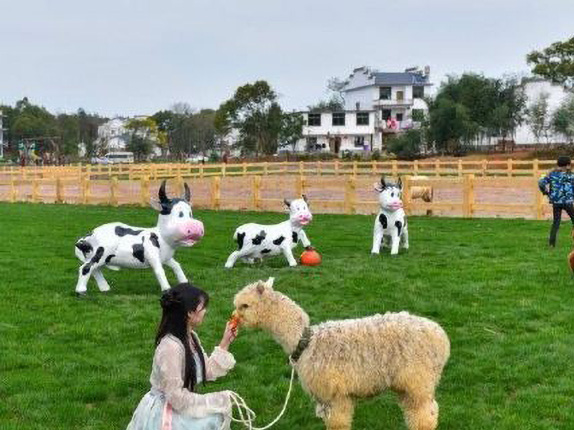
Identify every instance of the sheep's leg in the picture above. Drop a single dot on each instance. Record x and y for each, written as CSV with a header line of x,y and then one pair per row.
x,y
339,415
421,413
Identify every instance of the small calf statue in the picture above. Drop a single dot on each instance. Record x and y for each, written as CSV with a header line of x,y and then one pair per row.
x,y
116,245
391,223
256,241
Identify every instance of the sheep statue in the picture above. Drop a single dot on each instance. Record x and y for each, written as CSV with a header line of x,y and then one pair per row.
x,y
338,362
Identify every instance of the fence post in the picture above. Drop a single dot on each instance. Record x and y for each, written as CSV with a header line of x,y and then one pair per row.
x,y
244,168
536,170
484,167
374,162
407,194
337,167
300,186
13,192
301,167
223,169
114,190
35,189
416,167
144,190
468,196
319,167
355,168
201,170
538,200
395,168
215,192
459,167
265,169
509,167
437,167
59,190
350,194
257,192
179,183
84,188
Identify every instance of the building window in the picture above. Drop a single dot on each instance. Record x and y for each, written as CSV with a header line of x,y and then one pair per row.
x,y
418,92
362,118
418,115
399,117
385,93
400,95
359,141
338,118
314,120
385,114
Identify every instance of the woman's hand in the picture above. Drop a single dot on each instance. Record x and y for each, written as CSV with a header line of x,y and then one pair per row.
x,y
229,336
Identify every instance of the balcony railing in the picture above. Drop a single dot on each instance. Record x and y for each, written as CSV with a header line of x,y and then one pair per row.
x,y
394,102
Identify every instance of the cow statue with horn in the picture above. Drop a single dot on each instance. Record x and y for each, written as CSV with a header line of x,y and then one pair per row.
x,y
391,222
116,245
257,241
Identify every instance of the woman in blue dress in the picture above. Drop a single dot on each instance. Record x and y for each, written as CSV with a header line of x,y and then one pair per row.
x,y
180,364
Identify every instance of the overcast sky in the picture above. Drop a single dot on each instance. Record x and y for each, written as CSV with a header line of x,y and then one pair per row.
x,y
126,57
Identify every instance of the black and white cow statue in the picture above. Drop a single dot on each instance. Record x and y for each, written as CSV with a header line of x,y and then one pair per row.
x,y
257,241
391,222
117,245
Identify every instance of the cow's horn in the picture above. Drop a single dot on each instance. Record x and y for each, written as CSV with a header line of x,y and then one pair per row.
x,y
383,182
162,195
287,202
187,192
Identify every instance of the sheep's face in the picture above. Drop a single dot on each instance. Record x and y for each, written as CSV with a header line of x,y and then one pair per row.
x,y
252,303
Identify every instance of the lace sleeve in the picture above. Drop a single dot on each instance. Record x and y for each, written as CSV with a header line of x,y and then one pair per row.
x,y
169,360
218,364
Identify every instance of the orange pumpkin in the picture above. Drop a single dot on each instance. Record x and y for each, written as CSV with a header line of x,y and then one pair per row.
x,y
310,257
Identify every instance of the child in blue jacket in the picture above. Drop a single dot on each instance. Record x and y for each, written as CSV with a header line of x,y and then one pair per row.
x,y
558,185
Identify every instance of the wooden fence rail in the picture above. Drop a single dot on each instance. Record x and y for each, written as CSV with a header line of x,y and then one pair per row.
x,y
438,168
467,196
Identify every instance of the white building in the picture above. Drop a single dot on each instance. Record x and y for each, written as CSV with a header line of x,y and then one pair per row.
x,y
113,136
376,104
556,95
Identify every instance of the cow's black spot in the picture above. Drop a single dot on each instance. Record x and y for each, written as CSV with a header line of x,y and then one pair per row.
x,y
279,240
259,238
295,237
240,238
167,206
154,240
99,252
383,220
84,246
138,251
95,259
122,231
399,226
266,251
109,258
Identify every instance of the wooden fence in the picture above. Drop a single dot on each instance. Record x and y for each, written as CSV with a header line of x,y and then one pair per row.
x,y
435,168
466,195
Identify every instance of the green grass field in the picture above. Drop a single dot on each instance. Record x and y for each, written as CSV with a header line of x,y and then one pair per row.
x,y
506,301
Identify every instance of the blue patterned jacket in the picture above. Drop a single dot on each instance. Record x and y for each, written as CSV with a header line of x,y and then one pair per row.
x,y
558,186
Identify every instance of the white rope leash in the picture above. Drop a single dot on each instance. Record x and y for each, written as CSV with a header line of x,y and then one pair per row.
x,y
247,416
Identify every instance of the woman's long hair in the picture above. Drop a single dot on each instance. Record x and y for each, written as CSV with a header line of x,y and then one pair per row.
x,y
176,304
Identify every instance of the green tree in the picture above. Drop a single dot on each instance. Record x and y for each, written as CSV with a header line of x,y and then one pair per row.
x,y
291,129
451,127
539,117
254,112
143,136
555,62
563,119
406,146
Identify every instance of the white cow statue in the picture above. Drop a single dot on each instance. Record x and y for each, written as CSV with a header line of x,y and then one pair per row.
x,y
116,245
391,222
257,241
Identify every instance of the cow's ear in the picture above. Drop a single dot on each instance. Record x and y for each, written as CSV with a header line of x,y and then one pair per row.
x,y
305,198
287,203
154,203
378,187
187,192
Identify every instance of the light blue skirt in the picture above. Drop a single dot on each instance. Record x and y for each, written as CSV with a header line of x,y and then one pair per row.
x,y
153,414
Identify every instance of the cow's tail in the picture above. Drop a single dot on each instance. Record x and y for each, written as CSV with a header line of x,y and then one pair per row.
x,y
84,249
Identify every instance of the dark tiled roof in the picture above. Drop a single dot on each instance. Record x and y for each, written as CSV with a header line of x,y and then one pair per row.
x,y
404,78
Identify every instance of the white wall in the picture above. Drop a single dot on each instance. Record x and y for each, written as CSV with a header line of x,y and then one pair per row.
x,y
533,90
